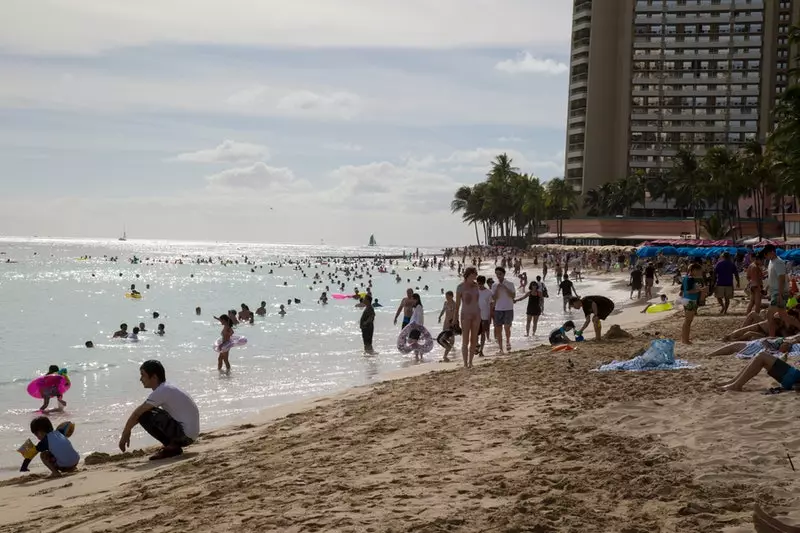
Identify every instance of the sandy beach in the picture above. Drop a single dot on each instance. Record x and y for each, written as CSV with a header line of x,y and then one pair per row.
x,y
531,442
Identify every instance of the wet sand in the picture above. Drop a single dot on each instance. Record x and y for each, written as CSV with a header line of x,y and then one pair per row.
x,y
531,442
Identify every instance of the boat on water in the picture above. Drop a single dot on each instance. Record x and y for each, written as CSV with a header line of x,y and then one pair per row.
x,y
372,241
124,235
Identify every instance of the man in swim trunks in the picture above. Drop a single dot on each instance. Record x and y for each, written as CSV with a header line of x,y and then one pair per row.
x,y
406,307
636,281
650,278
595,308
778,369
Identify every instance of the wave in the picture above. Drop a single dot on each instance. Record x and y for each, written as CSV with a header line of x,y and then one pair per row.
x,y
85,368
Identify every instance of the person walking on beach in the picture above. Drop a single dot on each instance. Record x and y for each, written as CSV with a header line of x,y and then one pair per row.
x,y
595,308
778,284
468,309
534,309
446,338
650,277
485,306
755,283
367,324
725,272
503,294
691,292
567,290
406,307
636,282
168,414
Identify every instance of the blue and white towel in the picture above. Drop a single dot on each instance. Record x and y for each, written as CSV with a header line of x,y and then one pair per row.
x,y
637,365
659,356
755,347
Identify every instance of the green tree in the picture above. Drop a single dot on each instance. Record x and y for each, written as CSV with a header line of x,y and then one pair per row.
x,y
463,202
562,201
687,184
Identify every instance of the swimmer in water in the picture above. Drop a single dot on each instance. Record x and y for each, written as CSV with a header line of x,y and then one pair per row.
x,y
133,290
261,311
141,327
89,344
160,330
282,311
134,337
122,333
377,303
155,315
197,311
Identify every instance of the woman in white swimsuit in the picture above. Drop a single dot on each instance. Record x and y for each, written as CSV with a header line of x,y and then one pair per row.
x,y
468,310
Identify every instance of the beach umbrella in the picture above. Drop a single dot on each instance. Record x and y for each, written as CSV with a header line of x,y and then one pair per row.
x,y
669,250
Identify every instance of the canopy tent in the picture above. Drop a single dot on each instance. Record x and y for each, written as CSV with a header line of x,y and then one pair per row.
x,y
687,242
760,243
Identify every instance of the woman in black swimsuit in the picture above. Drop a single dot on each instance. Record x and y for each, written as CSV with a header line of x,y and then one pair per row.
x,y
534,296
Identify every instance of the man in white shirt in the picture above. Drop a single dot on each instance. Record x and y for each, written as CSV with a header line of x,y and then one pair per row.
x,y
778,284
169,415
503,293
485,305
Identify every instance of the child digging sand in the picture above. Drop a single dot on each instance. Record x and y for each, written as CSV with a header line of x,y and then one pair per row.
x,y
57,452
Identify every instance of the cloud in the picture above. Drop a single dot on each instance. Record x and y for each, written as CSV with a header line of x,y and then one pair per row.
x,y
248,96
336,104
385,185
510,140
343,147
477,161
525,63
227,152
258,176
94,26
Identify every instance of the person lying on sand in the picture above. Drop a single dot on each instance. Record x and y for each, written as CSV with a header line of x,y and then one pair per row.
x,y
758,329
778,369
169,415
752,348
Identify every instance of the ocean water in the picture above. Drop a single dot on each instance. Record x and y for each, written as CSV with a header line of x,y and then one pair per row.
x,y
51,303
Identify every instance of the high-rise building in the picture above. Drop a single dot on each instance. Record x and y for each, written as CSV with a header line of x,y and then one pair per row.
x,y
649,76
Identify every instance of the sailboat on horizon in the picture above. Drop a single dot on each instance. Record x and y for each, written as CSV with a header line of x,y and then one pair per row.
x,y
372,241
124,235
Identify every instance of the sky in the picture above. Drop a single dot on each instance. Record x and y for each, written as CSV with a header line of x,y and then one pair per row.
x,y
272,121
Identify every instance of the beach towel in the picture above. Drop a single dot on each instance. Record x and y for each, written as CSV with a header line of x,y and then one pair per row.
x,y
771,346
660,355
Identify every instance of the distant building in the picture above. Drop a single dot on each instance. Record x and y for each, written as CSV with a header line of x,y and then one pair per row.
x,y
649,76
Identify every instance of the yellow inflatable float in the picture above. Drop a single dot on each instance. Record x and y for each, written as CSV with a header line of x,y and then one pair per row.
x,y
659,308
135,296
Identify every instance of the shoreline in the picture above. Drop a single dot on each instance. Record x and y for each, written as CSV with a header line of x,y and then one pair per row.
x,y
23,495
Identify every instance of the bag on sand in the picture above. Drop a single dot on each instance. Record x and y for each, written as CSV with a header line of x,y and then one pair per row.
x,y
660,352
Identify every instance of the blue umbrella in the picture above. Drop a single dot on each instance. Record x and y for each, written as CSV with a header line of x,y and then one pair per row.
x,y
669,250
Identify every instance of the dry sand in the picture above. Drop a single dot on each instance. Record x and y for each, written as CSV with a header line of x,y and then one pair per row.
x,y
533,442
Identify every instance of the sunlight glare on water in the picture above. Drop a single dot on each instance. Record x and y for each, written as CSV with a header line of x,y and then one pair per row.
x,y
52,303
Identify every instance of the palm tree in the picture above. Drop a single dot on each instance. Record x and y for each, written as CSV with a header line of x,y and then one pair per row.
x,y
722,188
716,228
687,184
759,170
461,203
594,202
562,202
